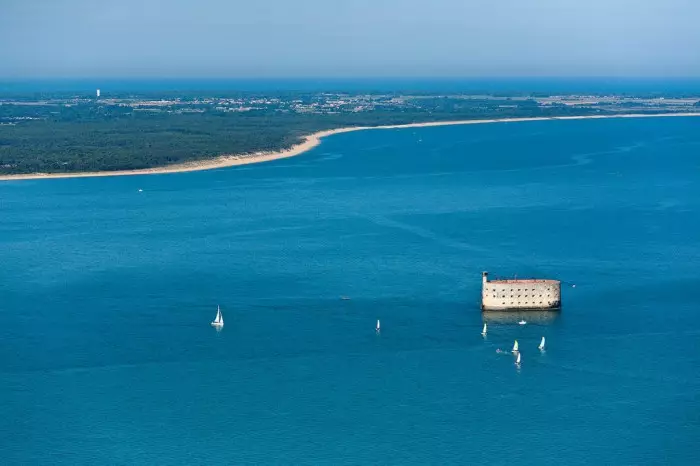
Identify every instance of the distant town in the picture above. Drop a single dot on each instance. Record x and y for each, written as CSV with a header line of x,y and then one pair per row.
x,y
25,109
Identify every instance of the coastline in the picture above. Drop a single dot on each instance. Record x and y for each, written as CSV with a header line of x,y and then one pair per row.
x,y
309,142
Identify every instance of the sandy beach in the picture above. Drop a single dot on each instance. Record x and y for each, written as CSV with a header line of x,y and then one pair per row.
x,y
308,143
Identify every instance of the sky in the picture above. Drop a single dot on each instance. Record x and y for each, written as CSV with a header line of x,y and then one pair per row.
x,y
348,38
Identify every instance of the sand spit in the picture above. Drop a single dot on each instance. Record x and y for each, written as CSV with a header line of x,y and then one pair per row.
x,y
308,143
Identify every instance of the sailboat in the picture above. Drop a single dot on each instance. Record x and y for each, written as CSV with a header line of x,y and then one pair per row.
x,y
219,319
483,332
379,326
515,346
517,361
541,347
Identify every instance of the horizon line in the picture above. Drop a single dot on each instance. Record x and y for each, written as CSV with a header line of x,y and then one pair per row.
x,y
333,77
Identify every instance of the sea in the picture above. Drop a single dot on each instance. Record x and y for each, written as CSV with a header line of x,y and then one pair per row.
x,y
108,287
629,86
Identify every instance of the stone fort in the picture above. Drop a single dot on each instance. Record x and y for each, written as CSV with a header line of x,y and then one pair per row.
x,y
519,294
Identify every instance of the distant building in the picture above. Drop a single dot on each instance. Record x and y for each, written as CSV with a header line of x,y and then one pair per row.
x,y
519,294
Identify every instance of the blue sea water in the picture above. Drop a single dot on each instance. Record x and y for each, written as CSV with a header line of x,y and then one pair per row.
x,y
491,85
106,294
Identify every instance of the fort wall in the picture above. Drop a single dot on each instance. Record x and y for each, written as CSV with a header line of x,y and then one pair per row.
x,y
519,294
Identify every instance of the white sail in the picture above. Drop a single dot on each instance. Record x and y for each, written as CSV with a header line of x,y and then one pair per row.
x,y
541,347
379,325
515,346
483,332
517,361
219,319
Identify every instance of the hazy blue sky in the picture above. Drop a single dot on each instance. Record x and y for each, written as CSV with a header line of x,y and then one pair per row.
x,y
235,38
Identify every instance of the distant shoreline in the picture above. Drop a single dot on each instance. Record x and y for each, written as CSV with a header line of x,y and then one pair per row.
x,y
308,143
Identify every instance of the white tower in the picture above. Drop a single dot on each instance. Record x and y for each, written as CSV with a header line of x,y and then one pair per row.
x,y
98,93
